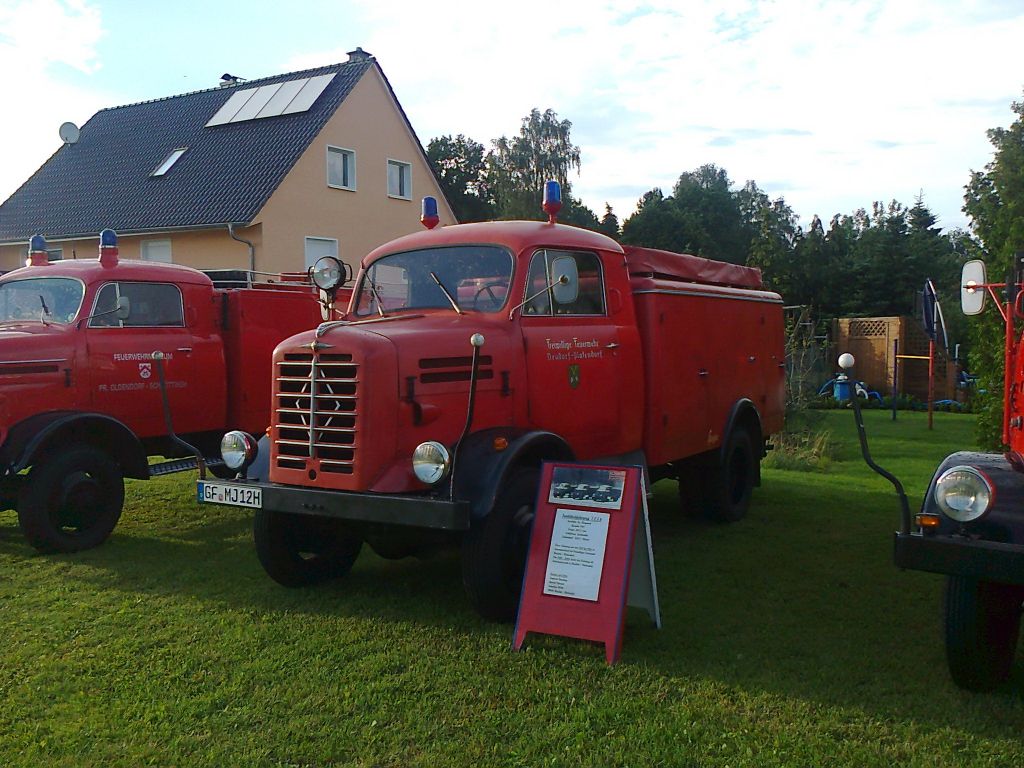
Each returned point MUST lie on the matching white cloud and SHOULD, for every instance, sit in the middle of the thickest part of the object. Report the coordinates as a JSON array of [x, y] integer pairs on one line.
[[44, 46], [660, 89], [829, 103]]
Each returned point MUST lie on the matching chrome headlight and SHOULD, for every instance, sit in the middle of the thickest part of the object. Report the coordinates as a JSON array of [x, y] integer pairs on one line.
[[328, 273], [963, 493], [430, 462], [238, 449]]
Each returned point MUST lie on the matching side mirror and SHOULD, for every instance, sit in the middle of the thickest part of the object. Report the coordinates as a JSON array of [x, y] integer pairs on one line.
[[972, 295], [566, 280], [124, 308]]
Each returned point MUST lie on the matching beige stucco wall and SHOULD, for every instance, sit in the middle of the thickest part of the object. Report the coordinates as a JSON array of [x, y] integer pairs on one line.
[[202, 249], [369, 123]]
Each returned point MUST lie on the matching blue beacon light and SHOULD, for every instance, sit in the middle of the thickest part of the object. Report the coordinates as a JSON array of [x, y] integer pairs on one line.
[[428, 216], [37, 254], [552, 200]]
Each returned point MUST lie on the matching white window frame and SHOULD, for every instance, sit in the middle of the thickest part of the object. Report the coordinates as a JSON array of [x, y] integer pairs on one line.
[[145, 245], [168, 162], [405, 169], [350, 154], [305, 249]]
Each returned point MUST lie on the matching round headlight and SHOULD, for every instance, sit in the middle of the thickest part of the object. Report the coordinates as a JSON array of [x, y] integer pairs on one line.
[[328, 273], [238, 449], [430, 462], [963, 493]]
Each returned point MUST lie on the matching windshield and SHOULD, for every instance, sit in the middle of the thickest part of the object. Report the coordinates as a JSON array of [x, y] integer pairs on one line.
[[45, 299], [475, 276]]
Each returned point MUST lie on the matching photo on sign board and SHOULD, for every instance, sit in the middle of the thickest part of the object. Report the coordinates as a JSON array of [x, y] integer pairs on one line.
[[587, 487]]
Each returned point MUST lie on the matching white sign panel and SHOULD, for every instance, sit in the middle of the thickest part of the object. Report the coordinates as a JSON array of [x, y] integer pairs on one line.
[[576, 556]]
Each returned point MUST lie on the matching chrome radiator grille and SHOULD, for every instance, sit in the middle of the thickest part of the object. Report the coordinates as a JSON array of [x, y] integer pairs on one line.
[[316, 411]]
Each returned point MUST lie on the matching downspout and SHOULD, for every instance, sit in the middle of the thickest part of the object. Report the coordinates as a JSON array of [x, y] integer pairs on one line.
[[252, 250]]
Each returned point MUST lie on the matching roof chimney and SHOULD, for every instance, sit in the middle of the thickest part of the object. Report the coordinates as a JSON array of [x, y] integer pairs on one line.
[[359, 55]]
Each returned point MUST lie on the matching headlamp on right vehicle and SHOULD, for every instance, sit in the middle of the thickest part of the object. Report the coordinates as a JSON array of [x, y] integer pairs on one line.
[[963, 493]]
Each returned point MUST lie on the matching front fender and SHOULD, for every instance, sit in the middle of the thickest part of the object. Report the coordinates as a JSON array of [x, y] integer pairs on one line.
[[481, 470], [33, 437]]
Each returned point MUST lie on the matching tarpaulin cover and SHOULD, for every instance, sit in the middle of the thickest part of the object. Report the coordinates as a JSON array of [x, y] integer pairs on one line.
[[683, 266]]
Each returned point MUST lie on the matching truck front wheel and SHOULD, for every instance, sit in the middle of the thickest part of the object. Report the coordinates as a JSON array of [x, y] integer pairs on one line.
[[297, 550], [495, 548], [982, 626], [71, 500]]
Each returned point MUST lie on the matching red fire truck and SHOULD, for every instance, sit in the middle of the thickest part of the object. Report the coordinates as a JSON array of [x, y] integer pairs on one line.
[[81, 401], [472, 353]]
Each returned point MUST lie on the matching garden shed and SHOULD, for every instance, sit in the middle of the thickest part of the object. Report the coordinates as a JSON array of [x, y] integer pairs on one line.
[[871, 341]]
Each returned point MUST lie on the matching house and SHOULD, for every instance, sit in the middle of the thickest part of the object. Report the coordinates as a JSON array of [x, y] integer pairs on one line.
[[267, 175]]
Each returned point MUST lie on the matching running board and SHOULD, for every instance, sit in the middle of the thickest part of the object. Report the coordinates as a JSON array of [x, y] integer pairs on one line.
[[180, 465]]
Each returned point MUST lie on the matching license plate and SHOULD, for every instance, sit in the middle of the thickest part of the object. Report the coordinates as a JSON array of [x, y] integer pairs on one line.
[[235, 495]]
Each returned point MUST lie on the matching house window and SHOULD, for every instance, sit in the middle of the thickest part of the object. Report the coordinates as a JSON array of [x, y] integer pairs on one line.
[[316, 247], [399, 179], [168, 161], [156, 250], [341, 168]]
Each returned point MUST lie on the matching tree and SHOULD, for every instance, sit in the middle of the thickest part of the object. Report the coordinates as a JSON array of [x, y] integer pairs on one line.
[[994, 201], [609, 224], [518, 167], [460, 167]]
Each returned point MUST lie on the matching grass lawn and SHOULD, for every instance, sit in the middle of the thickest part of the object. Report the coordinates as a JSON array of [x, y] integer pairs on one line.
[[789, 639]]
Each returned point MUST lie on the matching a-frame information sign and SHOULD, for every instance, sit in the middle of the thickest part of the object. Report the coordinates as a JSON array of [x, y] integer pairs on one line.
[[590, 556]]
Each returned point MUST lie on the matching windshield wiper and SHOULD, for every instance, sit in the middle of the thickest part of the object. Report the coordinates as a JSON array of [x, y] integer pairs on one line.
[[447, 295], [46, 311], [372, 288]]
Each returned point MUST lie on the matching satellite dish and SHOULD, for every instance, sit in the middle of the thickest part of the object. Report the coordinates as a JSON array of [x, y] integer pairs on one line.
[[69, 133]]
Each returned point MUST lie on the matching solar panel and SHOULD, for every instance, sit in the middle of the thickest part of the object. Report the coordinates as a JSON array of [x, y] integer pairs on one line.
[[287, 98]]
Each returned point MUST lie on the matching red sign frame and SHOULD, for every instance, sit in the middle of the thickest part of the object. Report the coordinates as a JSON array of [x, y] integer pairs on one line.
[[599, 620]]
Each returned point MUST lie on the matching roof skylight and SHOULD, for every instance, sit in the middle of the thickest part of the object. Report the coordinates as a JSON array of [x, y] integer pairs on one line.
[[169, 161]]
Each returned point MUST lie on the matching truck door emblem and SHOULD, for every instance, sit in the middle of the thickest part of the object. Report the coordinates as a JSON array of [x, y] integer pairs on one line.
[[145, 370], [574, 376]]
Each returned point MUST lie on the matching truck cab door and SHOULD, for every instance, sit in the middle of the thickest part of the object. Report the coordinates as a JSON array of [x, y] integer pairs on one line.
[[124, 381], [574, 354]]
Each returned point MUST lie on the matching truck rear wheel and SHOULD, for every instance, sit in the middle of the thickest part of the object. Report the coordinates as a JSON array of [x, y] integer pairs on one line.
[[297, 550], [494, 550], [730, 481], [982, 627], [71, 500]]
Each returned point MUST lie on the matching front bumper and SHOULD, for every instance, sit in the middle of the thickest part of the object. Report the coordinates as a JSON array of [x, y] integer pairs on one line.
[[384, 509], [960, 556]]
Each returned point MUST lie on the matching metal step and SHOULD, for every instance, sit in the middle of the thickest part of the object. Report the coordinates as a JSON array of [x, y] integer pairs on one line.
[[180, 465]]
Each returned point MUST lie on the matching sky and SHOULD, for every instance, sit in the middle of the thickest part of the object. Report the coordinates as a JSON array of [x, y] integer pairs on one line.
[[830, 105]]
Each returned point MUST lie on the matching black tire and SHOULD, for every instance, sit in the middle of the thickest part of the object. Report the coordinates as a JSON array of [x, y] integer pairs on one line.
[[730, 481], [982, 626], [297, 550], [72, 500], [495, 548]]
